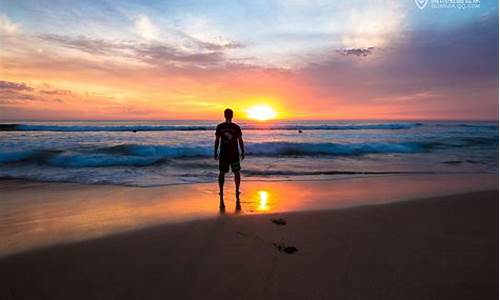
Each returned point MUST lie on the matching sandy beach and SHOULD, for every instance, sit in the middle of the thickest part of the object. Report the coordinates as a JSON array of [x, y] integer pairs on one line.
[[38, 214], [441, 247]]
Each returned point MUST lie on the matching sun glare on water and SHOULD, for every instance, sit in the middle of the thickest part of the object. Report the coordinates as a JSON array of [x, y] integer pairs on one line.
[[261, 113], [263, 204]]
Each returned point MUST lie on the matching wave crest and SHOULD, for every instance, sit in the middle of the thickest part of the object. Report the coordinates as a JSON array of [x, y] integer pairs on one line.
[[143, 155]]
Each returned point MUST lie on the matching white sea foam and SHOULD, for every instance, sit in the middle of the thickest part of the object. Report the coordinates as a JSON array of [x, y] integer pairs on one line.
[[173, 152]]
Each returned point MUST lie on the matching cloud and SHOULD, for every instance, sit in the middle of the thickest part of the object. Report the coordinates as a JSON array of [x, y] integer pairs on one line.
[[451, 72], [451, 64], [15, 92], [221, 46], [19, 92], [370, 24], [14, 86], [85, 44], [8, 98], [205, 32], [145, 29], [164, 55], [55, 92], [155, 53], [13, 96], [7, 27], [356, 51]]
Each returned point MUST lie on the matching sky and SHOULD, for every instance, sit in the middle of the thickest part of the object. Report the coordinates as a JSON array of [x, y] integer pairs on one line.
[[306, 59]]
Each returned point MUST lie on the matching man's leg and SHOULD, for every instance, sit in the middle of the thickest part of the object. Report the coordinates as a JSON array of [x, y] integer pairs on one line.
[[237, 180], [238, 205], [221, 190], [221, 183]]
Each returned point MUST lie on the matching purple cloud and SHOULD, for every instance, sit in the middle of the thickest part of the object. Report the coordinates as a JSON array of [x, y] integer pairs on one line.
[[356, 51], [56, 92], [14, 86], [204, 54]]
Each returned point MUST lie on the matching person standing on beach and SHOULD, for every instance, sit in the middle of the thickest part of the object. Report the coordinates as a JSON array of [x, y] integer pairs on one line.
[[228, 136]]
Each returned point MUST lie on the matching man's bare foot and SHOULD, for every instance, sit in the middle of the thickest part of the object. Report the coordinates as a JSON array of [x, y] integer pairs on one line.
[[238, 206], [222, 207]]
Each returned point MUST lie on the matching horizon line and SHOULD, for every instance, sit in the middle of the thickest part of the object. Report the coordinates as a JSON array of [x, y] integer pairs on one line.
[[246, 120]]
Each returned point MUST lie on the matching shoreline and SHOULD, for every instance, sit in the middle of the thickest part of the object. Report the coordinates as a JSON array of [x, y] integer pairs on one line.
[[327, 177], [440, 247], [34, 214]]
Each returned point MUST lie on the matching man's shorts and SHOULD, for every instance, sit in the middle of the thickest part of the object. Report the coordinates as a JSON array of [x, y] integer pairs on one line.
[[224, 166]]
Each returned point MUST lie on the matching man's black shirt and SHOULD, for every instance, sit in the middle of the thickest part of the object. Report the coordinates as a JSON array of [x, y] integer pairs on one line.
[[229, 134]]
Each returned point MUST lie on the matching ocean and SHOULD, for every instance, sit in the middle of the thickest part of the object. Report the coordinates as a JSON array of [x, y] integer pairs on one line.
[[155, 153]]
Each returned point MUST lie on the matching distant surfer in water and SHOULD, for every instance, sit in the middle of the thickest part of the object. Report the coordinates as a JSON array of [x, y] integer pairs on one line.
[[228, 135]]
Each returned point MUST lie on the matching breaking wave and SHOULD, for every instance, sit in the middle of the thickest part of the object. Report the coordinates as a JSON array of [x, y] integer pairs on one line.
[[143, 155]]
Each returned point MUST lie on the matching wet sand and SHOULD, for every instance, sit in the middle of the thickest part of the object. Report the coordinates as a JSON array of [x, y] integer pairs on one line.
[[436, 248], [34, 215]]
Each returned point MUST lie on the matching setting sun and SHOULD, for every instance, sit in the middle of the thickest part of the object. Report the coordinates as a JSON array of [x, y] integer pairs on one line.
[[261, 113]]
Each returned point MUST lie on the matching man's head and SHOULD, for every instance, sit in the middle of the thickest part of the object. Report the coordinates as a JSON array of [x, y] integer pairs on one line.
[[228, 114]]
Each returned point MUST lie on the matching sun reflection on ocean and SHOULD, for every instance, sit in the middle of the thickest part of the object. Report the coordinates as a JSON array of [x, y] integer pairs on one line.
[[263, 200]]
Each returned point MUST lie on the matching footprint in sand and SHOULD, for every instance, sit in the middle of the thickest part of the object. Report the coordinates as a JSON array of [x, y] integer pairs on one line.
[[282, 247], [279, 222]]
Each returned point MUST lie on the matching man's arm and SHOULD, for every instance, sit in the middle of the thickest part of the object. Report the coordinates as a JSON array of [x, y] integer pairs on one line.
[[216, 147], [242, 147]]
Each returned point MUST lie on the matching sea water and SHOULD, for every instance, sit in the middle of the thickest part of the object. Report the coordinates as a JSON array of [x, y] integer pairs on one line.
[[153, 153]]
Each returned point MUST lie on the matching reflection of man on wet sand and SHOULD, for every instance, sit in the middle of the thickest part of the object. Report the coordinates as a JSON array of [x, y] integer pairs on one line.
[[228, 135]]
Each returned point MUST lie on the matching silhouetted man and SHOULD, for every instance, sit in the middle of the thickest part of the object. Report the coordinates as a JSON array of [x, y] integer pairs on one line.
[[228, 135]]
